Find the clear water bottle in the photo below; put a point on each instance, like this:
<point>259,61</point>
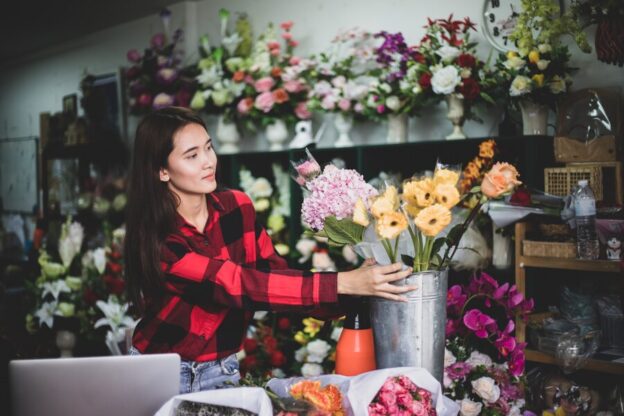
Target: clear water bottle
<point>585,213</point>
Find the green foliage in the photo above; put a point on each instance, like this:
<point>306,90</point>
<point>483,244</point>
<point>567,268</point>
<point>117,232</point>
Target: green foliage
<point>343,232</point>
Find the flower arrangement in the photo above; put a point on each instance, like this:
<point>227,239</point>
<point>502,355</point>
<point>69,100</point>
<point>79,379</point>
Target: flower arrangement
<point>157,79</point>
<point>484,363</point>
<point>540,69</point>
<point>266,346</point>
<point>325,400</point>
<point>340,79</point>
<point>275,82</point>
<point>317,354</point>
<point>400,396</point>
<point>449,64</point>
<point>221,78</point>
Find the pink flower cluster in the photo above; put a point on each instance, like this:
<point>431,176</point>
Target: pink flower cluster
<point>400,396</point>
<point>334,192</point>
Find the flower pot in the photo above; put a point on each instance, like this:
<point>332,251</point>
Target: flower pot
<point>276,134</point>
<point>65,342</point>
<point>343,124</point>
<point>456,113</point>
<point>412,333</point>
<point>534,117</point>
<point>502,249</point>
<point>397,128</point>
<point>355,351</point>
<point>228,136</point>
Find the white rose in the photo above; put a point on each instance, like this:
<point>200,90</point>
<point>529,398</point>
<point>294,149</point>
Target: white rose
<point>476,358</point>
<point>542,64</point>
<point>311,370</point>
<point>447,53</point>
<point>322,262</point>
<point>301,354</point>
<point>465,73</point>
<point>445,80</point>
<point>449,358</point>
<point>393,102</point>
<point>336,332</point>
<point>318,348</point>
<point>557,85</point>
<point>514,62</point>
<point>544,48</point>
<point>469,408</point>
<point>486,388</point>
<point>385,87</point>
<point>417,89</point>
<point>261,188</point>
<point>519,86</point>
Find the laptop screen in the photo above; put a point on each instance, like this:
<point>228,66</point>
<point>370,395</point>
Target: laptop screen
<point>117,385</point>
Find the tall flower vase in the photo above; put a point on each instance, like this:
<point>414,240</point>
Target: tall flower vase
<point>276,134</point>
<point>397,128</point>
<point>343,124</point>
<point>534,117</point>
<point>502,249</point>
<point>456,113</point>
<point>65,342</point>
<point>355,351</point>
<point>412,333</point>
<point>228,136</point>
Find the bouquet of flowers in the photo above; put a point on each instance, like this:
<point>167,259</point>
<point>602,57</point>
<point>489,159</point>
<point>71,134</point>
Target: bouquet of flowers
<point>317,354</point>
<point>222,68</point>
<point>401,396</point>
<point>540,69</point>
<point>266,347</point>
<point>484,363</point>
<point>340,79</point>
<point>449,62</point>
<point>275,84</point>
<point>157,79</point>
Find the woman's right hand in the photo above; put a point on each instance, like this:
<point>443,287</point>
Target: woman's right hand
<point>374,280</point>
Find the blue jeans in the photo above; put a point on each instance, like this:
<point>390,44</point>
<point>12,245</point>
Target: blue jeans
<point>208,375</point>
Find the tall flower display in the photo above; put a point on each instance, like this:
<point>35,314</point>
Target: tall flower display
<point>157,78</point>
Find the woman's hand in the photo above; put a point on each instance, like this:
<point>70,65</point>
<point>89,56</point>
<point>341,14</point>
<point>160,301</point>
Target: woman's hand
<point>374,280</point>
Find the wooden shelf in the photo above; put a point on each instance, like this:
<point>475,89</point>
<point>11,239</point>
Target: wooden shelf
<point>593,365</point>
<point>606,266</point>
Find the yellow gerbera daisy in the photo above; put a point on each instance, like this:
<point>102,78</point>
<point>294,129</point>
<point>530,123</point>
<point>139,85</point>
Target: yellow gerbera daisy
<point>412,210</point>
<point>360,213</point>
<point>391,225</point>
<point>418,193</point>
<point>446,176</point>
<point>431,220</point>
<point>388,202</point>
<point>312,326</point>
<point>446,195</point>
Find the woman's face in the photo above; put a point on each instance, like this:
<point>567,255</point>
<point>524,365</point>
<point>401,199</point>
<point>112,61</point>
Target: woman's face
<point>192,164</point>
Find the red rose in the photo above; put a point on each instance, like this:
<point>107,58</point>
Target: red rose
<point>270,343</point>
<point>115,254</point>
<point>277,359</point>
<point>249,362</point>
<point>114,267</point>
<point>521,197</point>
<point>183,98</point>
<point>250,345</point>
<point>466,60</point>
<point>470,89</point>
<point>283,323</point>
<point>425,80</point>
<point>114,285</point>
<point>90,297</point>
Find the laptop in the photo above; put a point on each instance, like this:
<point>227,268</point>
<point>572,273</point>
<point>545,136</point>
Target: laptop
<point>132,385</point>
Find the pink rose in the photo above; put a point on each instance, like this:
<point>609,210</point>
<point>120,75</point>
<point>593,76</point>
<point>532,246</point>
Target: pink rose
<point>287,36</point>
<point>381,108</point>
<point>387,398</point>
<point>264,84</point>
<point>265,102</point>
<point>302,112</point>
<point>418,409</point>
<point>287,25</point>
<point>404,399</point>
<point>344,104</point>
<point>133,55</point>
<point>502,178</point>
<point>273,45</point>
<point>294,60</point>
<point>275,52</point>
<point>249,80</point>
<point>358,108</point>
<point>329,102</point>
<point>244,106</point>
<point>293,86</point>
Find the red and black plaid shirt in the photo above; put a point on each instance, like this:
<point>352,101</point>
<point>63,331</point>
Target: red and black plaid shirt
<point>215,280</point>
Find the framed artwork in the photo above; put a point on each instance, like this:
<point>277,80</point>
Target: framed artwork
<point>70,106</point>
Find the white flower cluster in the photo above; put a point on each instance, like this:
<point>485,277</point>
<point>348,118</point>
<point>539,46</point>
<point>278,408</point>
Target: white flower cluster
<point>312,356</point>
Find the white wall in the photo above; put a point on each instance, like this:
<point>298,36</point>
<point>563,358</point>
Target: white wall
<point>39,82</point>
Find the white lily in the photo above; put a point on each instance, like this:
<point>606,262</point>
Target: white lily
<point>114,315</point>
<point>99,259</point>
<point>45,314</point>
<point>55,288</point>
<point>230,43</point>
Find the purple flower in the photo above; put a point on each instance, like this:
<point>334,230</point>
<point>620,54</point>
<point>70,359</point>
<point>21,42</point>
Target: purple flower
<point>133,55</point>
<point>458,370</point>
<point>500,291</point>
<point>505,344</point>
<point>451,327</point>
<point>166,76</point>
<point>455,296</point>
<point>515,298</point>
<point>158,40</point>
<point>516,361</point>
<point>478,322</point>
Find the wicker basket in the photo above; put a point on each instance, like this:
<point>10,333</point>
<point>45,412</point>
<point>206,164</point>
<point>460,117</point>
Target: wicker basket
<point>559,181</point>
<point>562,250</point>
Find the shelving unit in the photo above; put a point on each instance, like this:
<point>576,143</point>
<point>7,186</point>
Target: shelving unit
<point>524,262</point>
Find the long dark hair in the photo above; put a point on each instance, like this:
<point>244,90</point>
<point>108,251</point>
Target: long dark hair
<point>151,209</point>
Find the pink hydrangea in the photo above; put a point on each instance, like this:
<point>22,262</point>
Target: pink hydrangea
<point>334,193</point>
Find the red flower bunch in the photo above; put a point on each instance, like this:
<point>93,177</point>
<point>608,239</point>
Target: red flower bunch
<point>400,396</point>
<point>264,350</point>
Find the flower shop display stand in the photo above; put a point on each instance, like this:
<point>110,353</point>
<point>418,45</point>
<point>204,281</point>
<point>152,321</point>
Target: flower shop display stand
<point>524,262</point>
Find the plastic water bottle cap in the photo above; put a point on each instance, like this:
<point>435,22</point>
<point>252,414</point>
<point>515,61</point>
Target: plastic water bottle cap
<point>583,182</point>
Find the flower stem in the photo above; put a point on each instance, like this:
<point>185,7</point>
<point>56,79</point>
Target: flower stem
<point>464,227</point>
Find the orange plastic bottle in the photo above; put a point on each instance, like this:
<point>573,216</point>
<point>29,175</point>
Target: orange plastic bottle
<point>355,351</point>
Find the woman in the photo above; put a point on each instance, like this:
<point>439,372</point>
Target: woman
<point>198,265</point>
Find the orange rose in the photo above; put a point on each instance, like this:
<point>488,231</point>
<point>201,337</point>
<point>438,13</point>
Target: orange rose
<point>280,95</point>
<point>276,72</point>
<point>502,178</point>
<point>238,76</point>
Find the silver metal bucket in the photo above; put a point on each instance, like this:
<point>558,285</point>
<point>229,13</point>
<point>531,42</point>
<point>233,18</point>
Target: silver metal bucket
<point>412,333</point>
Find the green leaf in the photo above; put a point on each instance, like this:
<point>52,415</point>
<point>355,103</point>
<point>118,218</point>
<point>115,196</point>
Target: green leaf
<point>437,244</point>
<point>408,260</point>
<point>475,189</point>
<point>454,235</point>
<point>343,231</point>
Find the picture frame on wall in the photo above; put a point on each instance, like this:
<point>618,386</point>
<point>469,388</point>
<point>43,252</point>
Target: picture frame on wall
<point>70,106</point>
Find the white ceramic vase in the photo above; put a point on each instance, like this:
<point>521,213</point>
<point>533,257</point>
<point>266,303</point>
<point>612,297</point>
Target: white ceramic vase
<point>65,342</point>
<point>502,249</point>
<point>276,134</point>
<point>228,136</point>
<point>343,124</point>
<point>456,113</point>
<point>534,117</point>
<point>397,128</point>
